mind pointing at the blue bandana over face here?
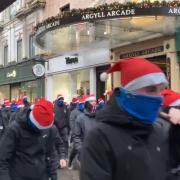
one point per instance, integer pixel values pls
(80, 106)
(60, 103)
(144, 108)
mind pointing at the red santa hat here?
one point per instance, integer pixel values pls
(20, 103)
(90, 98)
(42, 115)
(171, 98)
(7, 103)
(100, 100)
(74, 100)
(82, 100)
(137, 73)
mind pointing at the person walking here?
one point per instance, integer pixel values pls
(171, 114)
(73, 117)
(28, 146)
(126, 143)
(61, 120)
(85, 122)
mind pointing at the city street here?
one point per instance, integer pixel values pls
(68, 174)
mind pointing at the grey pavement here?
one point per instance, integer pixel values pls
(66, 174)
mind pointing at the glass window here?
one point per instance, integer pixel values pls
(19, 50)
(29, 89)
(65, 8)
(5, 55)
(31, 46)
(15, 91)
(4, 91)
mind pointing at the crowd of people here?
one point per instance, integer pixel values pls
(134, 135)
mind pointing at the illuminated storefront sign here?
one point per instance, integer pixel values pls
(11, 74)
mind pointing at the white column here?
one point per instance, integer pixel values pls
(49, 88)
(92, 79)
(9, 45)
(24, 40)
(174, 66)
(73, 84)
(1, 17)
(13, 48)
(22, 3)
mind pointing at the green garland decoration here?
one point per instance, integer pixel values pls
(109, 7)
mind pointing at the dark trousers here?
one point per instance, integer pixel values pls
(72, 155)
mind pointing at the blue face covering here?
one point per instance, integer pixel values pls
(60, 103)
(101, 104)
(14, 107)
(32, 126)
(25, 101)
(144, 108)
(80, 106)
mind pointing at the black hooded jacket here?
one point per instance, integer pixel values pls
(122, 148)
(28, 155)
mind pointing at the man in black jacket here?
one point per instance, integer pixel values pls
(126, 143)
(28, 146)
(171, 113)
(61, 120)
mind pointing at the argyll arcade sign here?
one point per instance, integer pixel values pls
(57, 22)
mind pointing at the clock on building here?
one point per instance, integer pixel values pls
(38, 70)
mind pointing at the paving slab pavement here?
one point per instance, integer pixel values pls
(67, 174)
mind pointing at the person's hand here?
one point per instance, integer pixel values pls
(174, 115)
(165, 116)
(63, 163)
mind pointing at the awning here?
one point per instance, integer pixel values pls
(111, 26)
(5, 3)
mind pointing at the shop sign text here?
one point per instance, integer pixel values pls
(107, 14)
(73, 60)
(11, 74)
(174, 11)
(48, 26)
(142, 52)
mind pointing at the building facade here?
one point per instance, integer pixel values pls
(153, 37)
(18, 53)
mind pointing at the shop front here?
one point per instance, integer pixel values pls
(75, 75)
(146, 29)
(23, 79)
(161, 51)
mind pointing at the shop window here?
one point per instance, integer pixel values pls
(6, 55)
(29, 89)
(31, 46)
(19, 50)
(5, 91)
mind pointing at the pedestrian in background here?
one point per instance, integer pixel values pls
(171, 113)
(73, 117)
(126, 143)
(61, 120)
(85, 122)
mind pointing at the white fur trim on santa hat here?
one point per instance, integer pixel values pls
(146, 80)
(91, 98)
(36, 123)
(175, 103)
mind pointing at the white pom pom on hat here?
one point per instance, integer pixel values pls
(137, 73)
(104, 76)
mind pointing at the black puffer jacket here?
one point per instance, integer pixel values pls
(83, 124)
(2, 125)
(122, 148)
(26, 155)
